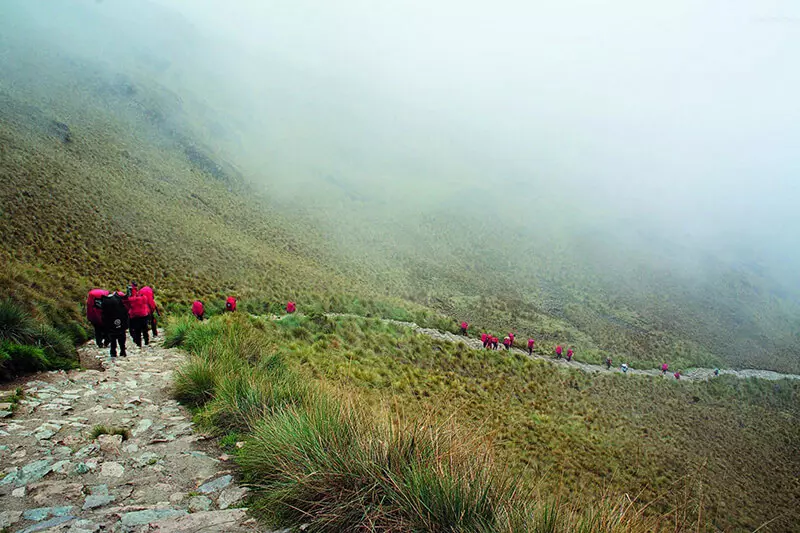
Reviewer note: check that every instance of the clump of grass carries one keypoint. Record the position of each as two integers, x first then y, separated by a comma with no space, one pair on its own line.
195,382
18,359
16,325
176,330
107,430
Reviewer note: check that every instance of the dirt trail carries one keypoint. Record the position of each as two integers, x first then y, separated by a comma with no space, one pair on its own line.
692,374
165,477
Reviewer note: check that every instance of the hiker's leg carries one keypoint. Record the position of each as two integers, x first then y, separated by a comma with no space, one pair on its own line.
122,345
98,335
113,345
136,332
145,330
154,324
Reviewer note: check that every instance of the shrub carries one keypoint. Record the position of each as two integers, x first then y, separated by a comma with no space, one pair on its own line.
16,324
20,358
107,430
195,382
177,330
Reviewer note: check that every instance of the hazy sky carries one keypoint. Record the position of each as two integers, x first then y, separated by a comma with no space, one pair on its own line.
687,110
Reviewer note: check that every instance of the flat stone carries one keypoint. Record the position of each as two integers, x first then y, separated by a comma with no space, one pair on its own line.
81,468
53,522
139,518
200,503
110,444
231,496
40,513
203,521
62,467
148,458
5,414
8,518
86,451
99,490
46,492
111,469
18,492
5,406
30,472
131,448
216,485
177,497
142,426
83,526
44,435
97,500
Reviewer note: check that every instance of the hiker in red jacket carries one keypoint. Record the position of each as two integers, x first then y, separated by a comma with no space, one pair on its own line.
147,292
198,310
138,310
664,369
507,343
608,363
494,343
230,304
531,342
511,338
464,327
290,307
559,349
677,374
484,336
95,317
570,353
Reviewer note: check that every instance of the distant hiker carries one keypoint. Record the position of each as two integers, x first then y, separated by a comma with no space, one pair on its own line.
198,310
138,310
147,292
95,317
230,304
507,343
133,290
608,363
115,320
290,307
464,327
664,368
570,353
494,343
559,349
624,368
677,374
484,336
511,336
531,342
716,372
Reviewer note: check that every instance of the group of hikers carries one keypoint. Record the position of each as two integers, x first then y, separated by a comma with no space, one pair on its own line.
113,313
491,342
199,308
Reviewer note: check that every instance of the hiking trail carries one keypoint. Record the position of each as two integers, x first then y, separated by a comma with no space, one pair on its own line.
166,477
692,374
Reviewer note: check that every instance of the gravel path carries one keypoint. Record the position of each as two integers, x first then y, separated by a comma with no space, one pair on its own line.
165,477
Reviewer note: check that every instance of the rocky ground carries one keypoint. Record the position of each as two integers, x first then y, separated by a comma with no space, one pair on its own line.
162,476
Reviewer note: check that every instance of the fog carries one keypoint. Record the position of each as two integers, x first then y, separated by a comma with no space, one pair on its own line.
681,119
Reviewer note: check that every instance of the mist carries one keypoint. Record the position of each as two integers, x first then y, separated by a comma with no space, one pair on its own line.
678,122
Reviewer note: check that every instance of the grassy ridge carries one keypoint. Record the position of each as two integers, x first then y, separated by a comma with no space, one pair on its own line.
321,455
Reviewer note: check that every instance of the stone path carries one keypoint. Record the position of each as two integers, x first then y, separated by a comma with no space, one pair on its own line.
165,477
692,374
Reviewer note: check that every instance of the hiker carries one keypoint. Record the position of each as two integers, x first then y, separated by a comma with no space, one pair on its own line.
198,310
464,327
138,310
664,368
484,336
677,374
290,307
95,317
147,292
115,320
507,342
608,363
494,343
133,290
230,304
716,372
511,337
559,349
531,342
624,368
570,353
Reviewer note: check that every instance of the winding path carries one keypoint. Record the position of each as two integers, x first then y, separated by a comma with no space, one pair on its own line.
692,374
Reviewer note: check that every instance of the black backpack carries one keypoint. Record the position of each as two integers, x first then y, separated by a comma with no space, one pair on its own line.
115,314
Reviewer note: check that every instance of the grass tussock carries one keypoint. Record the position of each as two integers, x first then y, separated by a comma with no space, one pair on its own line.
108,430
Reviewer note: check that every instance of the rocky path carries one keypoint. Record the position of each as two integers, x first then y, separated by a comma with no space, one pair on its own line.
54,476
692,374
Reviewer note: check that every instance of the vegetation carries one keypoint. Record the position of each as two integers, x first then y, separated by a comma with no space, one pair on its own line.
27,346
106,430
587,439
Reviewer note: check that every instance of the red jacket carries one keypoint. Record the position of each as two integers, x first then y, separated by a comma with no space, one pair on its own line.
230,304
507,342
559,349
530,343
137,306
494,340
484,336
664,367
464,325
197,308
290,307
147,292
93,314
511,337
569,353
